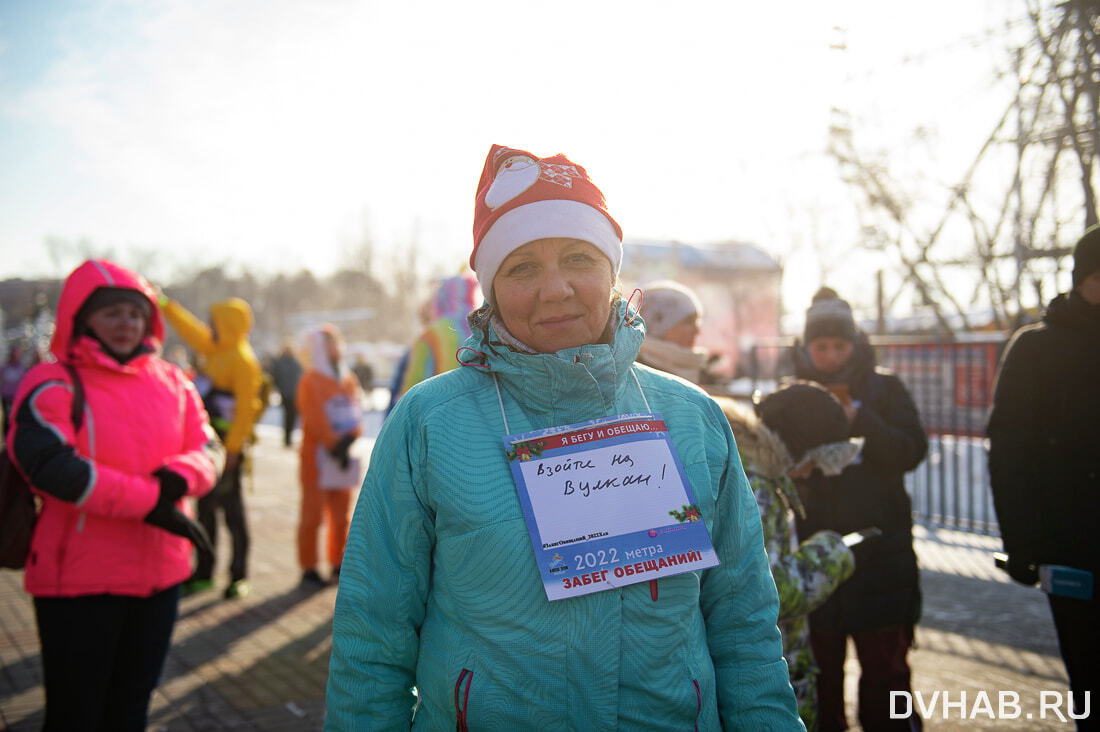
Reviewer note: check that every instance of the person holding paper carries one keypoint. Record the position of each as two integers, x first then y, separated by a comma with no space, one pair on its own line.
328,400
1044,459
880,605
442,586
792,432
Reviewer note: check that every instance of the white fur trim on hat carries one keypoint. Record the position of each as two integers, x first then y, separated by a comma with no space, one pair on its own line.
546,219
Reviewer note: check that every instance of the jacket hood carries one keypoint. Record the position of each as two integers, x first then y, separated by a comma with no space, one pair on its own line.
232,320
79,286
756,442
455,297
1070,310
317,352
762,452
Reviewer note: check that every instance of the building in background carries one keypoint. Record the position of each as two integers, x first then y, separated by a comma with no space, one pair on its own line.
738,284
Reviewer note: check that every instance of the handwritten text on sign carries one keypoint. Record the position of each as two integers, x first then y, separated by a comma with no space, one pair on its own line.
603,491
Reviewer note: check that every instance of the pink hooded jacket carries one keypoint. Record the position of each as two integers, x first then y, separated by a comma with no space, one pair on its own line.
138,417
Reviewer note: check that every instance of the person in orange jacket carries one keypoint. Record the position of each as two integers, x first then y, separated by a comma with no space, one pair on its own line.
328,402
229,382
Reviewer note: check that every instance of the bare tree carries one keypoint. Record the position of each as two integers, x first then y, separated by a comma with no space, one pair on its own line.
888,225
1014,246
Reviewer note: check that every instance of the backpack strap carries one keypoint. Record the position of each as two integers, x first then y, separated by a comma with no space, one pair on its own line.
76,412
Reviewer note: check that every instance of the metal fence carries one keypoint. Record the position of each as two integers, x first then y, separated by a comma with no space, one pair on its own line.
952,385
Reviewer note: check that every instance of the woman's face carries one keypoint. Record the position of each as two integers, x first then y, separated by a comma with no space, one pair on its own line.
1090,288
683,333
120,326
554,293
333,347
830,353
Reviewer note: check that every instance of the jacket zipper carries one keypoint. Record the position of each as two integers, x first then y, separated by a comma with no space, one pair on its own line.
698,703
460,710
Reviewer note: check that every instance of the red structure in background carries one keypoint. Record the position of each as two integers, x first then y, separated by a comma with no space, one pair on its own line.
951,382
737,283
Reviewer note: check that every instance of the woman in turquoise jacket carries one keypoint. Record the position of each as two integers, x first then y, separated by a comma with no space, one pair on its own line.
440,589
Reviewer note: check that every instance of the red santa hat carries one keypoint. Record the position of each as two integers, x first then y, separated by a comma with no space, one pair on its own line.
522,198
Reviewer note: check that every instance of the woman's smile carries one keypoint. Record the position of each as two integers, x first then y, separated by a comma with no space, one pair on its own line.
554,294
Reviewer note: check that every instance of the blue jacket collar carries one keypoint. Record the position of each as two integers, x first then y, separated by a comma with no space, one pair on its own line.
563,383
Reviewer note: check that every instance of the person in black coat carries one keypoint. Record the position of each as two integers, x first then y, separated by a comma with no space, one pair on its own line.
286,371
1044,456
880,604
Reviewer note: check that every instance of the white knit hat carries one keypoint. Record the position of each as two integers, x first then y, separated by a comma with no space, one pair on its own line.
666,303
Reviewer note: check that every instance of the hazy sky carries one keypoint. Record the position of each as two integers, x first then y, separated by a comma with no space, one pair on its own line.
275,134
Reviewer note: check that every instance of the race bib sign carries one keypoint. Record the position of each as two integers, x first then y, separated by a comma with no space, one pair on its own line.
343,413
607,504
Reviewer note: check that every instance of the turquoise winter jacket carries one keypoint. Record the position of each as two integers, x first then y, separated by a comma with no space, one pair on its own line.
439,588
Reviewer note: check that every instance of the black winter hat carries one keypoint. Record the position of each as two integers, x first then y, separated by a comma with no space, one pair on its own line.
805,415
828,315
1086,255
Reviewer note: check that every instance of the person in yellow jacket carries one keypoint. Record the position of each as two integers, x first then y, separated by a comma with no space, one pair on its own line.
328,402
229,382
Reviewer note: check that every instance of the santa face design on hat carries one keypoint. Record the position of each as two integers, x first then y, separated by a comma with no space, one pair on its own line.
514,175
517,173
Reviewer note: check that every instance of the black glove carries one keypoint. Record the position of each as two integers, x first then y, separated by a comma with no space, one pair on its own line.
1022,570
167,516
340,450
172,487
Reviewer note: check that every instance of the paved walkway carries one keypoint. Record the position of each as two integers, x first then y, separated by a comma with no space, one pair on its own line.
260,663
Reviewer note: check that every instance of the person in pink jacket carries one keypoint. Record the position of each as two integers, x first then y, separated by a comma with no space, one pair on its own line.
113,539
